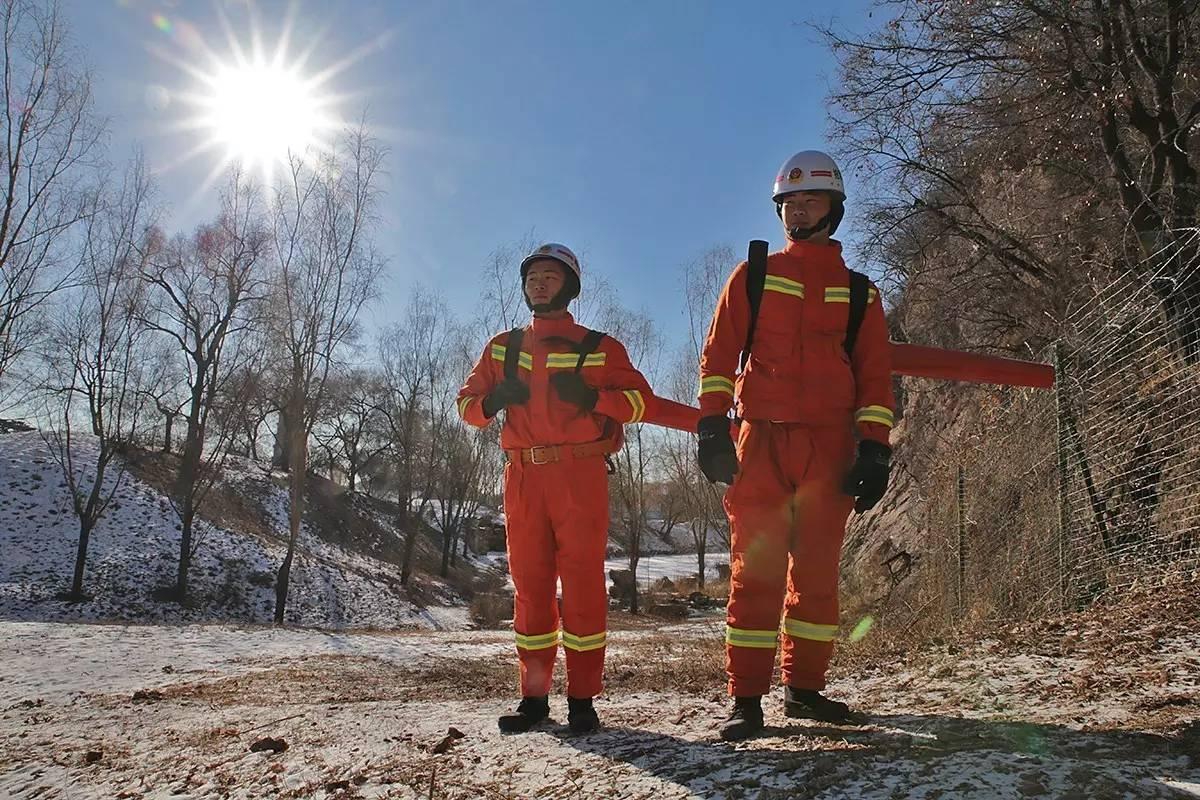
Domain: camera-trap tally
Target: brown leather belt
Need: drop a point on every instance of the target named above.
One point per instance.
(553, 453)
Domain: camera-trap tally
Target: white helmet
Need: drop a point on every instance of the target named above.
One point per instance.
(563, 255)
(809, 171)
(559, 252)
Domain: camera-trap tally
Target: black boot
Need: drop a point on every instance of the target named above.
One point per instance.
(530, 712)
(810, 704)
(745, 720)
(581, 717)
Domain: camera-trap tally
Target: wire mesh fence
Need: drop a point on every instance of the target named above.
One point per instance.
(1057, 498)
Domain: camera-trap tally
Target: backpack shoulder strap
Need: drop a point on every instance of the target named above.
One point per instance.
(591, 340)
(756, 279)
(512, 352)
(859, 290)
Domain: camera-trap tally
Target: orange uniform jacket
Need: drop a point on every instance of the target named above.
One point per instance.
(545, 419)
(798, 369)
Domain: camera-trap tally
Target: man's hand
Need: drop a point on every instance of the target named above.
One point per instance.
(716, 453)
(510, 392)
(868, 478)
(571, 388)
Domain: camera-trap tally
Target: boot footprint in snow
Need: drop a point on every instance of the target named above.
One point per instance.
(530, 712)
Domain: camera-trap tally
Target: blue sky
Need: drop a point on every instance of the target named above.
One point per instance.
(638, 133)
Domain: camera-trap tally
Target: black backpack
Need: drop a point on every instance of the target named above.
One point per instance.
(756, 279)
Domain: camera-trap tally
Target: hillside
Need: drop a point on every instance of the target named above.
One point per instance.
(347, 573)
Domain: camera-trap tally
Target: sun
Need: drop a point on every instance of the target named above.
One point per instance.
(250, 104)
(261, 113)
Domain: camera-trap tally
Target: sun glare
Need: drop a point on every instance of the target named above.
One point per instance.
(259, 113)
(250, 103)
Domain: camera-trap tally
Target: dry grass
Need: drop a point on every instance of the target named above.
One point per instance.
(665, 663)
(489, 610)
(222, 507)
(687, 665)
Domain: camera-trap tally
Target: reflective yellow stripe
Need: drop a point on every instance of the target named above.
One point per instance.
(539, 642)
(778, 283)
(716, 383)
(809, 630)
(569, 360)
(462, 406)
(740, 637)
(636, 403)
(581, 644)
(525, 360)
(877, 414)
(841, 294)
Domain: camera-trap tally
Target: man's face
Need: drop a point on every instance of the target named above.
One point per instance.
(543, 280)
(805, 209)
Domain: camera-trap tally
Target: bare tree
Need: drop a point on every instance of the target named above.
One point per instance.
(464, 457)
(94, 362)
(417, 359)
(354, 433)
(326, 270)
(1014, 145)
(635, 462)
(165, 387)
(49, 137)
(203, 291)
(502, 299)
(702, 280)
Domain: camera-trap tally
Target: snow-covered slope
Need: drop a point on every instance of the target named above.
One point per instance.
(135, 549)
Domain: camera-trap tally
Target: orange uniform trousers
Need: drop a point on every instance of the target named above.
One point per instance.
(556, 517)
(787, 516)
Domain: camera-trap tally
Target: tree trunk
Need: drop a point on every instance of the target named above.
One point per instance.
(635, 547)
(701, 551)
(189, 472)
(85, 533)
(167, 437)
(282, 578)
(185, 550)
(447, 546)
(409, 526)
(280, 458)
(295, 446)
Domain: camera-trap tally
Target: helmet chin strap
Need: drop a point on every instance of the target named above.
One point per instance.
(557, 303)
(798, 234)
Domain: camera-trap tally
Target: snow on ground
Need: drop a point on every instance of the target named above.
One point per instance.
(651, 568)
(107, 711)
(135, 548)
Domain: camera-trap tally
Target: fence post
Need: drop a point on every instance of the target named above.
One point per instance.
(1064, 508)
(962, 541)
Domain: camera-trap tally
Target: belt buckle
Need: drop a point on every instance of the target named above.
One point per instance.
(537, 454)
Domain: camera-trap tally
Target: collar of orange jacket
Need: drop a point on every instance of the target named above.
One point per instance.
(553, 326)
(813, 249)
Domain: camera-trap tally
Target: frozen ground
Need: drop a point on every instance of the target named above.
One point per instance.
(651, 568)
(1099, 705)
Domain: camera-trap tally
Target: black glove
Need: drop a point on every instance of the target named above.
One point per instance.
(716, 453)
(868, 478)
(510, 392)
(572, 389)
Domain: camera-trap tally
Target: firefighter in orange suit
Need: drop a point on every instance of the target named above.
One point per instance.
(814, 435)
(564, 412)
